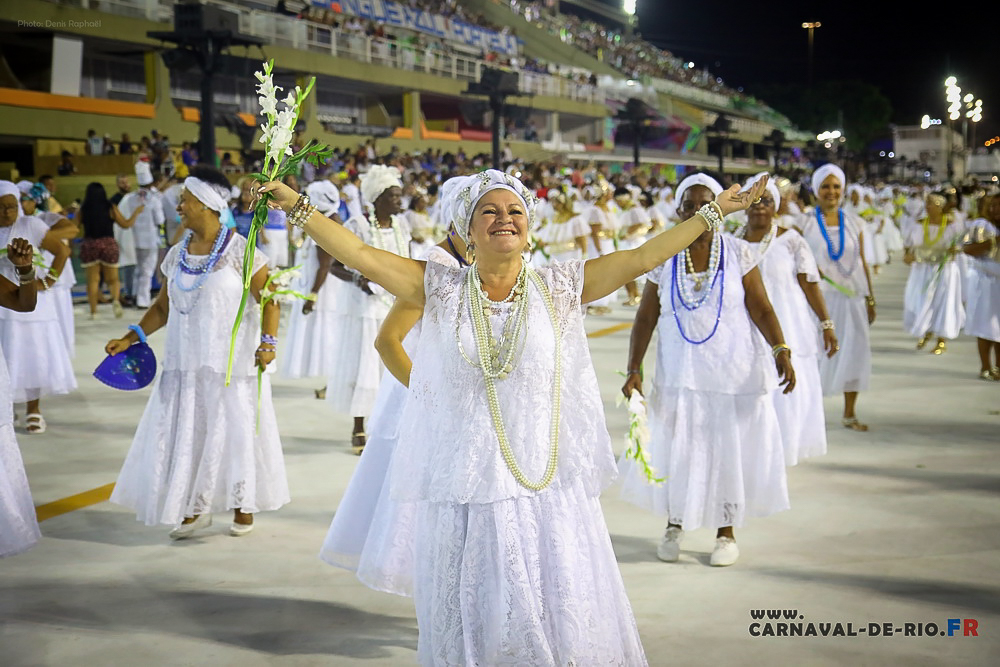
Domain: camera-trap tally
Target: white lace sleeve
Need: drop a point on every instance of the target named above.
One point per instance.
(566, 286)
(441, 284)
(655, 274)
(746, 253)
(169, 262)
(802, 255)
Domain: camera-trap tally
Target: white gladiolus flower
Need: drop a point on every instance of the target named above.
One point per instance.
(269, 105)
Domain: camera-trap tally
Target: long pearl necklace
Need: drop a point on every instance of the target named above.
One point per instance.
(479, 306)
(765, 242)
(402, 247)
(506, 352)
(686, 271)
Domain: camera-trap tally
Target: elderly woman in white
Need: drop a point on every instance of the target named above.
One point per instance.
(503, 445)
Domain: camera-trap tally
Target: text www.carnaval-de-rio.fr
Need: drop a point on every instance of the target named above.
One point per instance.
(791, 623)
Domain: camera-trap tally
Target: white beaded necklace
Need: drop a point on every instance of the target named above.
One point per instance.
(402, 247)
(686, 270)
(497, 360)
(765, 242)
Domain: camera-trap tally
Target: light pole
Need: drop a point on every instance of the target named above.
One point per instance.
(810, 27)
(953, 95)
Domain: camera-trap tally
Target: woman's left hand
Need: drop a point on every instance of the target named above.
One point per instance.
(783, 362)
(830, 343)
(20, 253)
(732, 200)
(264, 356)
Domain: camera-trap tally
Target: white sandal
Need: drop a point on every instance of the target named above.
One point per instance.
(34, 423)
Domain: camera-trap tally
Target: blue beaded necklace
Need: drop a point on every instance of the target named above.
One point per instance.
(203, 269)
(675, 293)
(835, 256)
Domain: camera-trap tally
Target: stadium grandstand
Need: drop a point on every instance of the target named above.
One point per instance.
(390, 71)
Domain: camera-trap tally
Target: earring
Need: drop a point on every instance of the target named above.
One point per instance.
(470, 253)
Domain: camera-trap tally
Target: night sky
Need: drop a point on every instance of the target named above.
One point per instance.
(907, 52)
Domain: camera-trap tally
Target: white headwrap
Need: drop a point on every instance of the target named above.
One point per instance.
(324, 195)
(377, 180)
(447, 196)
(8, 188)
(25, 186)
(210, 195)
(473, 189)
(770, 187)
(820, 175)
(143, 173)
(696, 179)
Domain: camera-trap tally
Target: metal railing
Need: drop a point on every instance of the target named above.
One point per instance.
(319, 38)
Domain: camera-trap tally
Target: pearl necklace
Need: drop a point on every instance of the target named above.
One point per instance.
(487, 363)
(686, 271)
(402, 247)
(506, 352)
(765, 242)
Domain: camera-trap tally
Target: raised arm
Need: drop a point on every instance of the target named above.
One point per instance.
(605, 274)
(401, 276)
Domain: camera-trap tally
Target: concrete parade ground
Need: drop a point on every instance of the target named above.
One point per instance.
(895, 526)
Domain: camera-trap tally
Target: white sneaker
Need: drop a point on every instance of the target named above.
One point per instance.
(186, 530)
(726, 552)
(240, 529)
(670, 547)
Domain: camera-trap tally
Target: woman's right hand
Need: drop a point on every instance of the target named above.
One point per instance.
(117, 346)
(283, 195)
(632, 382)
(732, 200)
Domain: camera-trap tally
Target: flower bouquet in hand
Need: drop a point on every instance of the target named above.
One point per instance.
(637, 439)
(279, 161)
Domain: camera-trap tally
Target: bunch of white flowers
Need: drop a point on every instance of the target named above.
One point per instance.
(277, 133)
(637, 439)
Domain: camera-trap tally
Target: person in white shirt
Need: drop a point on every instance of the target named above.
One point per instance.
(146, 232)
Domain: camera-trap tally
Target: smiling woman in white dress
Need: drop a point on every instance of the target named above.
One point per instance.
(503, 446)
(201, 446)
(18, 522)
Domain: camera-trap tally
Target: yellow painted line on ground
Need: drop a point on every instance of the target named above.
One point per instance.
(103, 493)
(73, 503)
(610, 330)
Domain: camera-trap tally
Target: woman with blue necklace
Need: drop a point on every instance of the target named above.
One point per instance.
(715, 433)
(201, 446)
(837, 242)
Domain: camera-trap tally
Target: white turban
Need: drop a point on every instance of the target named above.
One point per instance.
(377, 180)
(325, 196)
(8, 188)
(143, 173)
(770, 187)
(820, 175)
(25, 186)
(447, 196)
(473, 189)
(697, 179)
(210, 195)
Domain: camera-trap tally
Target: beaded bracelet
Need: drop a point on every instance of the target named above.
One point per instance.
(777, 349)
(301, 212)
(826, 325)
(26, 278)
(713, 220)
(634, 371)
(266, 339)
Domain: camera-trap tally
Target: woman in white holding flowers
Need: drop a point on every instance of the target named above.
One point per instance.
(201, 446)
(503, 445)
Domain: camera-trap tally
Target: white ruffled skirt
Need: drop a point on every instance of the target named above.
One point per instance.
(18, 525)
(851, 368)
(197, 450)
(526, 581)
(801, 416)
(721, 455)
(37, 359)
(933, 300)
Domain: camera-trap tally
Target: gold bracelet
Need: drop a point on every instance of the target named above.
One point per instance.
(777, 349)
(870, 300)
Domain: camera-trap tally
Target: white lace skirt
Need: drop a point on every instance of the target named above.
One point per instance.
(983, 314)
(526, 581)
(37, 359)
(800, 413)
(721, 455)
(18, 525)
(851, 368)
(197, 450)
(371, 534)
(933, 301)
(355, 367)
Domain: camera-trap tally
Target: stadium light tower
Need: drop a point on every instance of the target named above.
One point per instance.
(629, 8)
(810, 27)
(497, 85)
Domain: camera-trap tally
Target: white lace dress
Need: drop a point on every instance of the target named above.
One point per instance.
(800, 413)
(932, 300)
(198, 448)
(505, 575)
(18, 524)
(715, 433)
(365, 534)
(851, 368)
(983, 305)
(38, 359)
(355, 368)
(308, 347)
